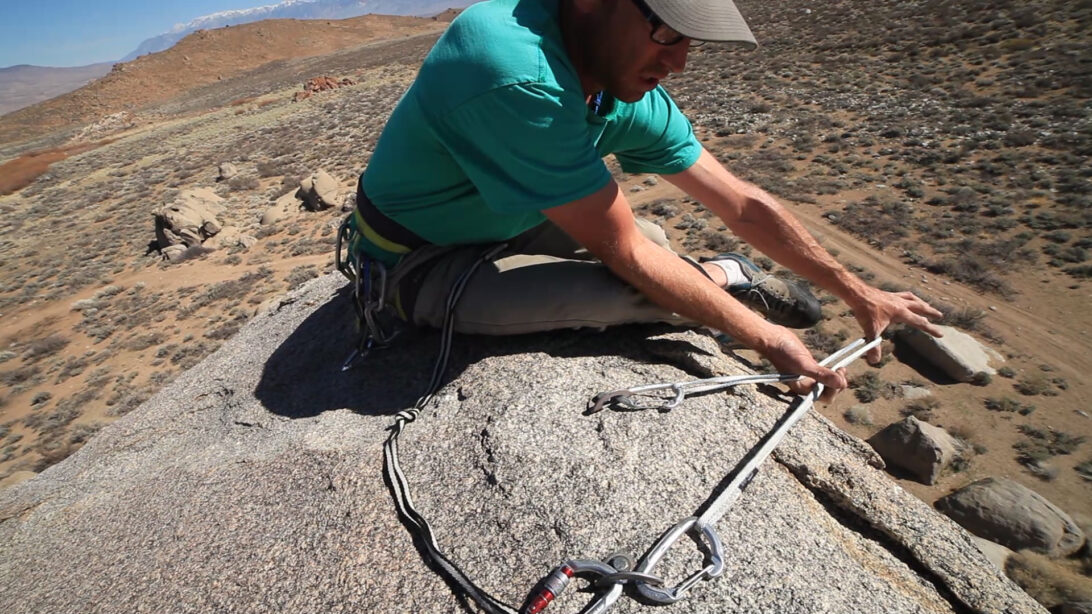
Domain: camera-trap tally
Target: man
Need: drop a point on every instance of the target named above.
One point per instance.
(500, 141)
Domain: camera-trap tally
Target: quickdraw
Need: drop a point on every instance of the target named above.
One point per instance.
(701, 528)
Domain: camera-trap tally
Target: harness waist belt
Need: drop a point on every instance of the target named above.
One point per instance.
(388, 230)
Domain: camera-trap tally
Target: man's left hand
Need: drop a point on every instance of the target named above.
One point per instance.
(877, 310)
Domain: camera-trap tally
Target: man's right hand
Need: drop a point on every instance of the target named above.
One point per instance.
(789, 355)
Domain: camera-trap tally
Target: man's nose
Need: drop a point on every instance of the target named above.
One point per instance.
(674, 56)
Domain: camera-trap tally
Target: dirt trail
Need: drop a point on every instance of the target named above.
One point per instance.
(1057, 330)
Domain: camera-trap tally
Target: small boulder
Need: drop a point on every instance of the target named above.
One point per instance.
(173, 253)
(1005, 512)
(913, 393)
(958, 354)
(918, 447)
(189, 220)
(226, 171)
(319, 191)
(285, 207)
(230, 236)
(995, 553)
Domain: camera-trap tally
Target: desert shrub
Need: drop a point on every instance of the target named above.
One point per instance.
(1080, 272)
(1062, 255)
(718, 242)
(243, 182)
(884, 222)
(83, 432)
(1008, 404)
(966, 436)
(41, 398)
(43, 348)
(922, 409)
(21, 375)
(868, 387)
(51, 454)
(224, 331)
(1035, 384)
(822, 341)
(270, 168)
(299, 275)
(971, 270)
(72, 367)
(144, 341)
(1006, 372)
(1084, 469)
(1040, 444)
(1050, 583)
(858, 414)
(967, 318)
(231, 289)
(1058, 236)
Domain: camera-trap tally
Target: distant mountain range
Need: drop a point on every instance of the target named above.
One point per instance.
(296, 9)
(24, 85)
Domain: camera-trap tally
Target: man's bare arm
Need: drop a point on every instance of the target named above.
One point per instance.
(603, 223)
(757, 218)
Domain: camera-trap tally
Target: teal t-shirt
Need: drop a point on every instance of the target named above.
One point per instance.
(495, 129)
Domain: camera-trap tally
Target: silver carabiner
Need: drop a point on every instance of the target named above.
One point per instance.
(715, 556)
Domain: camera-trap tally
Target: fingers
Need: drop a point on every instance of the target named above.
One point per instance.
(874, 356)
(833, 382)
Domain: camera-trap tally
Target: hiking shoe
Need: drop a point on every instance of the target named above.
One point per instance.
(781, 302)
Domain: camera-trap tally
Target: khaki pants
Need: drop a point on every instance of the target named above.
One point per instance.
(543, 280)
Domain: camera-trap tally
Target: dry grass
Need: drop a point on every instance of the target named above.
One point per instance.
(22, 171)
(1049, 582)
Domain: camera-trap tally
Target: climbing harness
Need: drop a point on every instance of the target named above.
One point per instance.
(369, 279)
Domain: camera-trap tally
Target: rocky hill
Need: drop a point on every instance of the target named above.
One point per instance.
(202, 58)
(252, 484)
(293, 9)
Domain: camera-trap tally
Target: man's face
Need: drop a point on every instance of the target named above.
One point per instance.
(627, 61)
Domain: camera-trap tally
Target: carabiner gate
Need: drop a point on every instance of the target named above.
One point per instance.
(715, 556)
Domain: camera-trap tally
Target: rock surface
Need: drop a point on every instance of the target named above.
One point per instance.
(918, 447)
(996, 553)
(287, 206)
(957, 354)
(319, 191)
(225, 171)
(1006, 512)
(188, 221)
(252, 484)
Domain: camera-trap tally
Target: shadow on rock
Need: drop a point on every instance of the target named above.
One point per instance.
(923, 367)
(303, 376)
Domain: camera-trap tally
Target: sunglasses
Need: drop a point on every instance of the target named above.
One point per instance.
(662, 34)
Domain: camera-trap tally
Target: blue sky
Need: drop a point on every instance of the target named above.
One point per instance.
(79, 32)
